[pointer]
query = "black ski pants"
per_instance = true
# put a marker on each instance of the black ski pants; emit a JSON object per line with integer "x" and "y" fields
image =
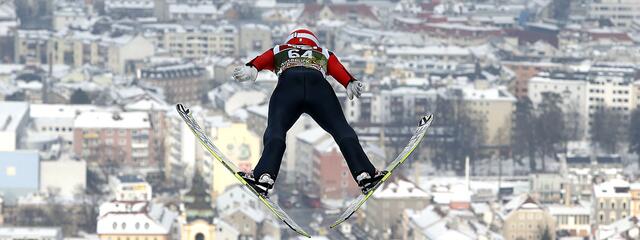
{"x": 304, "y": 90}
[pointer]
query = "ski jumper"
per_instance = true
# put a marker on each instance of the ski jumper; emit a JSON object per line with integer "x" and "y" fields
{"x": 302, "y": 88}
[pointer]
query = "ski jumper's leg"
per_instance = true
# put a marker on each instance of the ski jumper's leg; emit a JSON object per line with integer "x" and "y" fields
{"x": 285, "y": 107}
{"x": 323, "y": 106}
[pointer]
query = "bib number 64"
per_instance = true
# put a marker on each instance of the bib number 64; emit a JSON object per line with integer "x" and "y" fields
{"x": 295, "y": 53}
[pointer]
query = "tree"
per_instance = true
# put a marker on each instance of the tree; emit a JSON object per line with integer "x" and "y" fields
{"x": 634, "y": 133}
{"x": 464, "y": 133}
{"x": 80, "y": 97}
{"x": 549, "y": 126}
{"x": 524, "y": 136}
{"x": 607, "y": 128}
{"x": 545, "y": 233}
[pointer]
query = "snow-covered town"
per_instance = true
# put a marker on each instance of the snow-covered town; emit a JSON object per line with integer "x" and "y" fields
{"x": 536, "y": 129}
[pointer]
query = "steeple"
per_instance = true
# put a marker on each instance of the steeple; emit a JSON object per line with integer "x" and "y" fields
{"x": 197, "y": 201}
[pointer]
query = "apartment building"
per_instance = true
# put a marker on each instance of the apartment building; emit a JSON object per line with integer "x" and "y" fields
{"x": 115, "y": 138}
{"x": 525, "y": 218}
{"x": 621, "y": 13}
{"x": 194, "y": 41}
{"x": 181, "y": 83}
{"x": 575, "y": 219}
{"x": 611, "y": 201}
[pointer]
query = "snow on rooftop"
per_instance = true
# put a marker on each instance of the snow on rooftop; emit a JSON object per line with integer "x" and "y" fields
{"x": 614, "y": 188}
{"x": 11, "y": 114}
{"x": 260, "y": 110}
{"x": 429, "y": 50}
{"x": 181, "y": 8}
{"x": 328, "y": 145}
{"x": 121, "y": 120}
{"x": 312, "y": 135}
{"x": 58, "y": 110}
{"x": 400, "y": 189}
{"x": 30, "y": 232}
{"x": 151, "y": 219}
{"x": 491, "y": 94}
{"x": 557, "y": 209}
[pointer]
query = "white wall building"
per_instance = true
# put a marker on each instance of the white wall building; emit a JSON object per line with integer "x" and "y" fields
{"x": 621, "y": 12}
{"x": 575, "y": 219}
{"x": 66, "y": 177}
{"x": 130, "y": 188}
{"x": 13, "y": 123}
{"x": 56, "y": 120}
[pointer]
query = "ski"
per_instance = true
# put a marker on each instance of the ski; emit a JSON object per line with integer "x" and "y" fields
{"x": 277, "y": 211}
{"x": 414, "y": 142}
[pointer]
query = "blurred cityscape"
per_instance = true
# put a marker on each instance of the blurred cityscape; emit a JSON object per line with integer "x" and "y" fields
{"x": 536, "y": 132}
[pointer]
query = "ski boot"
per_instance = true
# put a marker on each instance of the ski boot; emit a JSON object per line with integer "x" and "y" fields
{"x": 366, "y": 182}
{"x": 262, "y": 185}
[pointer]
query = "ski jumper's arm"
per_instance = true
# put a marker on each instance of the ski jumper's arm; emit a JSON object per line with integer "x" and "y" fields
{"x": 263, "y": 62}
{"x": 337, "y": 70}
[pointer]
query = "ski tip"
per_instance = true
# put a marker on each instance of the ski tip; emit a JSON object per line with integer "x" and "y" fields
{"x": 182, "y": 108}
{"x": 425, "y": 120}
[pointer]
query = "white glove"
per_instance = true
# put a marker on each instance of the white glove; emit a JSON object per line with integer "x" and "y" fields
{"x": 354, "y": 88}
{"x": 245, "y": 73}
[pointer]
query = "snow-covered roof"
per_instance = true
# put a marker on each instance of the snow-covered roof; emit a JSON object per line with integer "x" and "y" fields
{"x": 557, "y": 209}
{"x": 400, "y": 189}
{"x": 429, "y": 50}
{"x": 614, "y": 188}
{"x": 328, "y": 145}
{"x": 312, "y": 135}
{"x": 260, "y": 110}
{"x": 58, "y": 110}
{"x": 122, "y": 120}
{"x": 30, "y": 233}
{"x": 150, "y": 219}
{"x": 180, "y": 8}
{"x": 11, "y": 114}
{"x": 491, "y": 94}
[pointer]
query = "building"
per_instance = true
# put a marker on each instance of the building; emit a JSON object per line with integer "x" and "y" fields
{"x": 361, "y": 13}
{"x": 183, "y": 149}
{"x": 621, "y": 13}
{"x": 572, "y": 219}
{"x": 194, "y": 41}
{"x": 130, "y": 188}
{"x": 611, "y": 202}
{"x": 56, "y": 120}
{"x": 142, "y": 220}
{"x": 548, "y": 187}
{"x": 34, "y": 233}
{"x": 13, "y": 123}
{"x": 305, "y": 147}
{"x": 331, "y": 173}
{"x": 117, "y": 54}
{"x": 19, "y": 174}
{"x": 524, "y": 72}
{"x": 197, "y": 219}
{"x": 64, "y": 177}
{"x": 115, "y": 138}
{"x": 181, "y": 83}
{"x": 494, "y": 108}
{"x": 239, "y": 208}
{"x": 434, "y": 222}
{"x": 635, "y": 199}
{"x": 237, "y": 143}
{"x": 384, "y": 211}
{"x": 254, "y": 38}
{"x": 525, "y": 218}
{"x": 129, "y": 8}
{"x": 31, "y": 46}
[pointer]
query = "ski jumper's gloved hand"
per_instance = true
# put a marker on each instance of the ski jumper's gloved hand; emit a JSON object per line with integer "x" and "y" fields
{"x": 245, "y": 73}
{"x": 354, "y": 88}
